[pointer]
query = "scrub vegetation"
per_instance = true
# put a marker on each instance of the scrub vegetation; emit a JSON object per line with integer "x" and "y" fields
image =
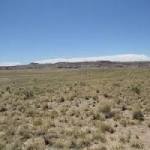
{"x": 73, "y": 109}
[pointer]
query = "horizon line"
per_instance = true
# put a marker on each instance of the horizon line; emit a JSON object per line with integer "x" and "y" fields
{"x": 112, "y": 58}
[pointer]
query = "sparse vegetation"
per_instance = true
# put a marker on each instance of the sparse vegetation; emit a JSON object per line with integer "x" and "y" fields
{"x": 137, "y": 144}
{"x": 75, "y": 109}
{"x": 138, "y": 114}
{"x": 136, "y": 89}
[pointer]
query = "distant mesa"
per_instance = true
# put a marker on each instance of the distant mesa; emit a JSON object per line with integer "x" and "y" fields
{"x": 80, "y": 65}
{"x": 34, "y": 64}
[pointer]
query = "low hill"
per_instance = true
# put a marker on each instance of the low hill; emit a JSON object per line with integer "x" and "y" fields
{"x": 77, "y": 65}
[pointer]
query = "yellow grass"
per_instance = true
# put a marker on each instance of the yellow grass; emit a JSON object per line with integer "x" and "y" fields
{"x": 87, "y": 109}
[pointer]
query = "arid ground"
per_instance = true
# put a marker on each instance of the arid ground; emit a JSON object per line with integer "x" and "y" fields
{"x": 66, "y": 109}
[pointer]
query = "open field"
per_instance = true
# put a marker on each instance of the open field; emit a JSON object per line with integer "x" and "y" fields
{"x": 64, "y": 109}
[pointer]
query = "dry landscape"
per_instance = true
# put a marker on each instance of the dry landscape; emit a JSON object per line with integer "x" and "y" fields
{"x": 75, "y": 109}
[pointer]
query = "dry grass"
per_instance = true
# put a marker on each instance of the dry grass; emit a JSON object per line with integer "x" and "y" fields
{"x": 75, "y": 109}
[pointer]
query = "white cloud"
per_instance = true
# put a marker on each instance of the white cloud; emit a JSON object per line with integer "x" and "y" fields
{"x": 120, "y": 58}
{"x": 9, "y": 63}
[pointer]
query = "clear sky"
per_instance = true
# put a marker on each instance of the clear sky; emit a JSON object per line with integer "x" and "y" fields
{"x": 42, "y": 29}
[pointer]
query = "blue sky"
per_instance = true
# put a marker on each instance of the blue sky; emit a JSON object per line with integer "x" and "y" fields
{"x": 43, "y": 29}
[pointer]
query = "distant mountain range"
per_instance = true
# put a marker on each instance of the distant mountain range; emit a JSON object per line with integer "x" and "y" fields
{"x": 78, "y": 65}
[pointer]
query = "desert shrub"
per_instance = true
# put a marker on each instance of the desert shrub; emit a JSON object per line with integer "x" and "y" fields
{"x": 61, "y": 99}
{"x": 97, "y": 91}
{"x": 136, "y": 89}
{"x": 116, "y": 84}
{"x": 138, "y": 115}
{"x": 73, "y": 112}
{"x": 118, "y": 147}
{"x": 2, "y": 146}
{"x": 97, "y": 116}
{"x": 28, "y": 94}
{"x": 24, "y": 132}
{"x": 82, "y": 84}
{"x": 104, "y": 107}
{"x": 3, "y": 109}
{"x": 116, "y": 116}
{"x": 99, "y": 136}
{"x": 45, "y": 106}
{"x": 63, "y": 110}
{"x": 59, "y": 144}
{"x": 106, "y": 128}
{"x": 118, "y": 101}
{"x": 102, "y": 148}
{"x": 8, "y": 89}
{"x": 124, "y": 122}
{"x": 124, "y": 107}
{"x": 106, "y": 95}
{"x": 37, "y": 122}
{"x": 53, "y": 114}
{"x": 112, "y": 114}
{"x": 147, "y": 108}
{"x": 31, "y": 112}
{"x": 72, "y": 97}
{"x": 82, "y": 142}
{"x": 87, "y": 97}
{"x": 137, "y": 144}
{"x": 34, "y": 144}
{"x": 13, "y": 146}
{"x": 25, "y": 93}
{"x": 123, "y": 140}
{"x": 95, "y": 98}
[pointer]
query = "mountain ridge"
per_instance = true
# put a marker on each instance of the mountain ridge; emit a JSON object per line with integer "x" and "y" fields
{"x": 78, "y": 65}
